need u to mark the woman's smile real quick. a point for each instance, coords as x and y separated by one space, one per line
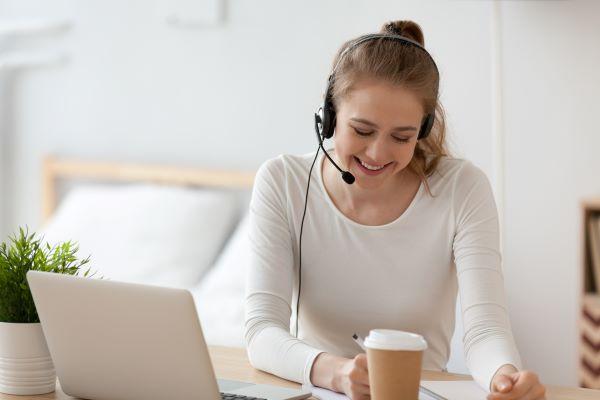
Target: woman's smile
370 169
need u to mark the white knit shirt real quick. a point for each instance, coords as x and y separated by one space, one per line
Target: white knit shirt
402 275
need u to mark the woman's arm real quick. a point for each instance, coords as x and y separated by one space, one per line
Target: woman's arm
488 339
270 282
269 289
491 353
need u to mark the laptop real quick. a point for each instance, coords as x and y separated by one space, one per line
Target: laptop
117 340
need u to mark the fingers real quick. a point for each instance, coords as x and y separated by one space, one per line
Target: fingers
361 361
503 384
505 388
359 373
359 392
359 379
517 393
537 391
526 386
513 395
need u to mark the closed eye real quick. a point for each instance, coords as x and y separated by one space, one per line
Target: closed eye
361 132
401 140
369 133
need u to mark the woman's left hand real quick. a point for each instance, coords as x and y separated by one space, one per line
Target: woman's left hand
521 385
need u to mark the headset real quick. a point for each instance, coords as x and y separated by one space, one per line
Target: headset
325 121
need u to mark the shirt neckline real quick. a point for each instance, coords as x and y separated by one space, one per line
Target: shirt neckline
332 205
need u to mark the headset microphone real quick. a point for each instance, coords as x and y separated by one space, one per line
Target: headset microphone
346 175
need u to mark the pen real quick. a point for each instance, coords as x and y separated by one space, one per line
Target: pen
360 341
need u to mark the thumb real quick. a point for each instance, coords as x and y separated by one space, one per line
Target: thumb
503 384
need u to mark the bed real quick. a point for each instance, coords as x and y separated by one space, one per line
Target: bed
157 224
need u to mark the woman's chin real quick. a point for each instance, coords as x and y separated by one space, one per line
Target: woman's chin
368 182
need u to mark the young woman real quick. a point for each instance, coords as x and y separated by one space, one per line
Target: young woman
390 250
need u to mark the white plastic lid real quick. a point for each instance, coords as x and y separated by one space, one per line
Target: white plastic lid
388 339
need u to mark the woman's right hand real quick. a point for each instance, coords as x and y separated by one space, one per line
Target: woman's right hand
352 378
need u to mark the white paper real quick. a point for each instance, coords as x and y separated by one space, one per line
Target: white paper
324 394
456 390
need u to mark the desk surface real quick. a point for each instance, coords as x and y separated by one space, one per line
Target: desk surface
232 363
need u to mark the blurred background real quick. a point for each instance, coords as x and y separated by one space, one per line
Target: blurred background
229 83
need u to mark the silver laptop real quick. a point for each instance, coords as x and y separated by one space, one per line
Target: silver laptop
116 340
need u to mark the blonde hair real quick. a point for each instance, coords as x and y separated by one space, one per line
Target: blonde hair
403 65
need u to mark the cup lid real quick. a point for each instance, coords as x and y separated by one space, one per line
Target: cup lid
389 339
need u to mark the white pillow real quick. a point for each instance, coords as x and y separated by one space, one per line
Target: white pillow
145 233
220 296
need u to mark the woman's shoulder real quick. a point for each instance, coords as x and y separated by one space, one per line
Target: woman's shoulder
287 165
452 173
284 169
448 164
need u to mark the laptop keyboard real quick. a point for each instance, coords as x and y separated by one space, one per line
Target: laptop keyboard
230 396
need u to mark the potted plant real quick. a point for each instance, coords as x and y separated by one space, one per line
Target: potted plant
25 364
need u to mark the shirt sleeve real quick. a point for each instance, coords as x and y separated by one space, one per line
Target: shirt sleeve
488 340
269 284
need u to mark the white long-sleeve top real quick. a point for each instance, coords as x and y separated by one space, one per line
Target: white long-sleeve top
402 275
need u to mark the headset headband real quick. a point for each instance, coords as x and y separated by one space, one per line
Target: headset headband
325 117
366 38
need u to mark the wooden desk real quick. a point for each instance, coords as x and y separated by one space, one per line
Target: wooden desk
232 363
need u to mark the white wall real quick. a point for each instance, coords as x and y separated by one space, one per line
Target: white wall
136 89
4 145
550 85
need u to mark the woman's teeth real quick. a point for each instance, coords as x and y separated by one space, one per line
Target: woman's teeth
371 167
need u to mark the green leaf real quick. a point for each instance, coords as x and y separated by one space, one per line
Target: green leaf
24 252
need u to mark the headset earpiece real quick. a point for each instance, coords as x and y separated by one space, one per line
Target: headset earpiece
325 116
324 127
426 126
328 120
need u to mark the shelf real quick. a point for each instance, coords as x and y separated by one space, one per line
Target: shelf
589 319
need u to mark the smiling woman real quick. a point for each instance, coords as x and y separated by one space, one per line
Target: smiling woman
404 230
400 81
376 136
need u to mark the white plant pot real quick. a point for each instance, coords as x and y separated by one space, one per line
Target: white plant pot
25 364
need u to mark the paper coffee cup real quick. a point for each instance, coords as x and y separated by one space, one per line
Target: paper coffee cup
394 360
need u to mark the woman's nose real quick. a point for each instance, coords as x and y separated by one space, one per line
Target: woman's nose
377 150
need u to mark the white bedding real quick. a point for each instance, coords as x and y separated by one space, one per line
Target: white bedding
220 295
149 234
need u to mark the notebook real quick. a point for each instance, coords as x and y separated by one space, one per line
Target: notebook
450 390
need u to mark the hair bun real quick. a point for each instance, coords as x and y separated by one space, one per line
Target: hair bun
408 29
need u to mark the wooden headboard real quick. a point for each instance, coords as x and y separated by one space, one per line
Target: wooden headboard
55 169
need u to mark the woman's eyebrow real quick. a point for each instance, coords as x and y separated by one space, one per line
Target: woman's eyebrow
374 125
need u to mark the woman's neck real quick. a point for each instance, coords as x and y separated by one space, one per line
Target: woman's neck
354 197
